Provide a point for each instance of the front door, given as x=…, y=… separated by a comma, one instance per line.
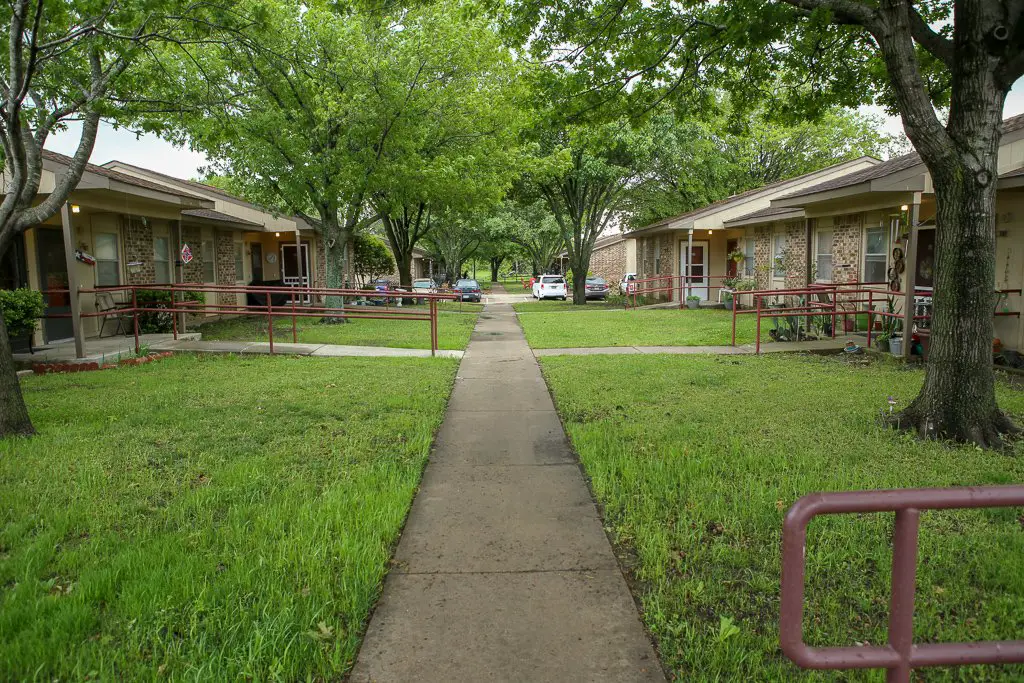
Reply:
x=697, y=284
x=295, y=266
x=53, y=275
x=731, y=247
x=256, y=261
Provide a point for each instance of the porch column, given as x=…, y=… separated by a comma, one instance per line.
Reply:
x=69, y=259
x=910, y=259
x=689, y=266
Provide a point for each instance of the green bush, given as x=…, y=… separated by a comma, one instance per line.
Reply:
x=152, y=322
x=20, y=308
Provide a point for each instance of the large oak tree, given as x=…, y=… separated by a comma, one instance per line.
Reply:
x=916, y=57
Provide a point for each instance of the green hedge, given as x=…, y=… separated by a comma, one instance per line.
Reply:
x=160, y=321
x=20, y=308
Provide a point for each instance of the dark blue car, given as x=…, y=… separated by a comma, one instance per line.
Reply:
x=469, y=290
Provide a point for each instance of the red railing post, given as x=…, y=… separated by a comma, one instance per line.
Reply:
x=871, y=312
x=835, y=300
x=734, y=322
x=433, y=327
x=270, y=322
x=174, y=313
x=757, y=333
x=135, y=318
x=295, y=333
x=901, y=600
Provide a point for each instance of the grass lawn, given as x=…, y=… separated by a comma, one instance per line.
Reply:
x=453, y=330
x=658, y=327
x=696, y=459
x=549, y=306
x=208, y=518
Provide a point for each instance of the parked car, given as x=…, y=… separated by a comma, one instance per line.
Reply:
x=469, y=290
x=597, y=288
x=423, y=286
x=549, y=287
x=624, y=282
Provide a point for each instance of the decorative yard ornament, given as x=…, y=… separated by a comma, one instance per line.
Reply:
x=186, y=254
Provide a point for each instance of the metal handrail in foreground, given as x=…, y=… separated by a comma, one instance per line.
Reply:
x=901, y=655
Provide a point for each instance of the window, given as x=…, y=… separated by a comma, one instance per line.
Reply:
x=779, y=255
x=823, y=255
x=209, y=262
x=108, y=268
x=161, y=260
x=657, y=259
x=748, y=256
x=875, y=249
x=239, y=261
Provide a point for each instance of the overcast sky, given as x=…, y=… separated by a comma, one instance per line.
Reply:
x=150, y=151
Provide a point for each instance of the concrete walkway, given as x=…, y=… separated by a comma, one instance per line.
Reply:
x=503, y=571
x=817, y=346
x=288, y=348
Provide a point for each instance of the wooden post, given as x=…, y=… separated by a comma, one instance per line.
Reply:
x=910, y=259
x=73, y=295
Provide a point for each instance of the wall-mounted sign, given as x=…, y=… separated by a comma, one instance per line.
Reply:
x=186, y=254
x=271, y=257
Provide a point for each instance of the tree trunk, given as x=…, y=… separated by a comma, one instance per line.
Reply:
x=579, y=286
x=958, y=399
x=337, y=257
x=404, y=264
x=14, y=419
x=495, y=266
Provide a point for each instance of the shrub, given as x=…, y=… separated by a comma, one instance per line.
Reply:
x=21, y=308
x=152, y=322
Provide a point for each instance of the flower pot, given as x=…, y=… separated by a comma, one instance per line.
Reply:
x=693, y=305
x=728, y=304
x=896, y=346
x=882, y=345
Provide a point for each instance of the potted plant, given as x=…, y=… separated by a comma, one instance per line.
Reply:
x=736, y=256
x=21, y=308
x=727, y=299
x=693, y=302
x=882, y=342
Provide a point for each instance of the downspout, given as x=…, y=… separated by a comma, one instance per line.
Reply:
x=808, y=248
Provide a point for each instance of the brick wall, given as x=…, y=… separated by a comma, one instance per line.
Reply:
x=846, y=239
x=609, y=262
x=796, y=254
x=138, y=246
x=763, y=256
x=225, y=249
x=193, y=271
x=320, y=277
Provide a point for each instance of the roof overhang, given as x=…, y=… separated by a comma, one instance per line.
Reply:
x=1009, y=182
x=744, y=221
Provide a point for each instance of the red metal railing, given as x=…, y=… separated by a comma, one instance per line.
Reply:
x=293, y=309
x=840, y=301
x=675, y=286
x=901, y=655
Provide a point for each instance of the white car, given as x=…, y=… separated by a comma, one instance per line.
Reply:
x=624, y=282
x=549, y=287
